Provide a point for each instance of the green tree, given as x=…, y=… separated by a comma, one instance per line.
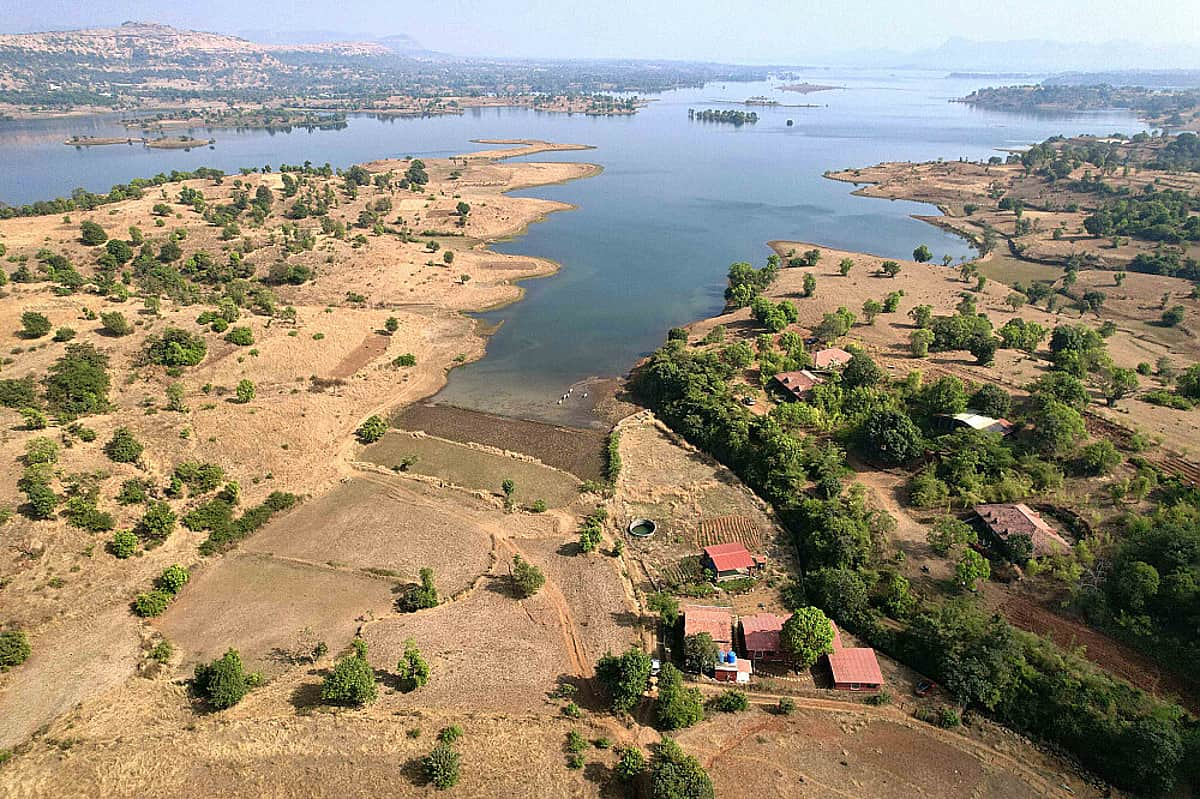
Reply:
x=948, y=534
x=121, y=252
x=991, y=400
x=391, y=324
x=34, y=324
x=919, y=341
x=892, y=437
x=173, y=579
x=630, y=764
x=971, y=566
x=421, y=596
x=151, y=603
x=175, y=347
x=678, y=706
x=921, y=315
x=624, y=678
x=676, y=775
x=922, y=254
x=224, y=682
x=123, y=447
x=441, y=766
x=14, y=649
x=890, y=268
x=699, y=652
x=527, y=579
x=807, y=635
x=245, y=391
x=860, y=370
x=871, y=309
x=845, y=266
x=1118, y=384
x=371, y=430
x=1057, y=428
x=157, y=523
x=92, y=234
x=78, y=382
x=1099, y=457
x=412, y=670
x=810, y=284
x=352, y=680
x=115, y=324
x=666, y=606
x=123, y=544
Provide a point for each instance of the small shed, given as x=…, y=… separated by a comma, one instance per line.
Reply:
x=731, y=668
x=855, y=669
x=977, y=421
x=730, y=561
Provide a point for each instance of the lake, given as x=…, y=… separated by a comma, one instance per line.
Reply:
x=649, y=243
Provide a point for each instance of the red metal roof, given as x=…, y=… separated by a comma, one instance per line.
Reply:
x=855, y=665
x=717, y=622
x=729, y=557
x=832, y=356
x=761, y=631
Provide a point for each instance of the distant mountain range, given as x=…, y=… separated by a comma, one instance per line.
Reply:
x=1036, y=55
x=397, y=43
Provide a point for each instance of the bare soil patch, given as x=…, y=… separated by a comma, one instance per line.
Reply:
x=390, y=527
x=475, y=469
x=578, y=451
x=371, y=348
x=257, y=603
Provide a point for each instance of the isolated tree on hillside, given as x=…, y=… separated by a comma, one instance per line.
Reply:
x=527, y=579
x=922, y=254
x=972, y=567
x=352, y=680
x=412, y=670
x=624, y=678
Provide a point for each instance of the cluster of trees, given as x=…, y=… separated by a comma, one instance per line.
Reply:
x=728, y=116
x=746, y=282
x=83, y=200
x=1167, y=216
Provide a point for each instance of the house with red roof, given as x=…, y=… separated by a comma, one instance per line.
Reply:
x=853, y=668
x=730, y=561
x=716, y=621
x=1008, y=519
x=760, y=635
x=797, y=384
x=830, y=358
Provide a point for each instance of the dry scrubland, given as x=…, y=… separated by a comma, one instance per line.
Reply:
x=90, y=713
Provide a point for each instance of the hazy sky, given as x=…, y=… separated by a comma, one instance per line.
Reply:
x=779, y=31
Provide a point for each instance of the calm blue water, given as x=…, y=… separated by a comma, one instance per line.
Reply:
x=653, y=236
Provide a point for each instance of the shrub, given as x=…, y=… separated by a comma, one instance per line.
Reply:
x=441, y=766
x=448, y=735
x=64, y=334
x=114, y=323
x=19, y=393
x=173, y=579
x=34, y=419
x=157, y=523
x=371, y=430
x=242, y=336
x=575, y=741
x=676, y=775
x=92, y=234
x=175, y=347
x=123, y=544
x=151, y=603
x=42, y=501
x=133, y=491
x=731, y=701
x=412, y=670
x=14, y=649
x=200, y=477
x=123, y=447
x=224, y=682
x=81, y=512
x=420, y=597
x=352, y=680
x=34, y=324
x=786, y=706
x=245, y=391
x=630, y=763
x=41, y=450
x=407, y=359
x=391, y=326
x=527, y=579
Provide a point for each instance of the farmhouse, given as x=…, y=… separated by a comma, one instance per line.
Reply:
x=1006, y=520
x=760, y=635
x=730, y=561
x=797, y=384
x=977, y=421
x=717, y=622
x=853, y=668
x=830, y=358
